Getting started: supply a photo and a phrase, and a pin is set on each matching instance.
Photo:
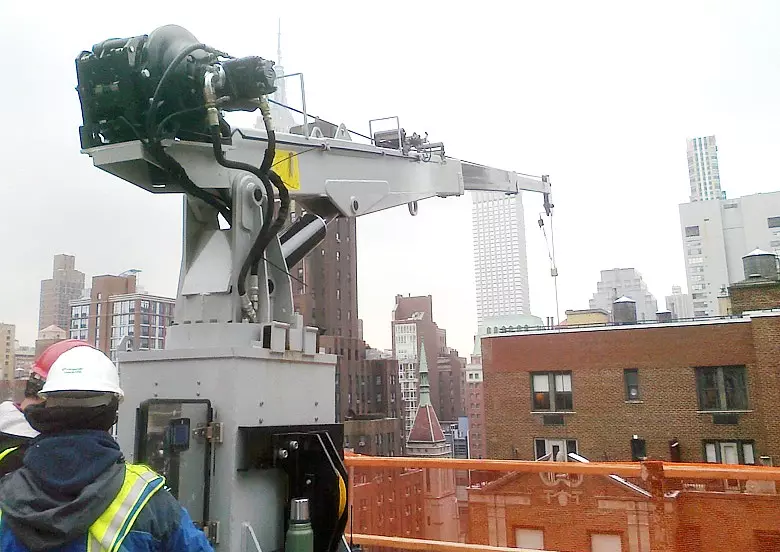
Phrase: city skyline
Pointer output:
(601, 182)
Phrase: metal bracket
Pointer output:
(211, 529)
(212, 432)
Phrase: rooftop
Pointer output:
(642, 324)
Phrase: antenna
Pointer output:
(279, 42)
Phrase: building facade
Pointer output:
(474, 402)
(703, 170)
(556, 511)
(7, 351)
(373, 435)
(710, 386)
(619, 282)
(500, 261)
(411, 326)
(679, 304)
(115, 310)
(65, 285)
(49, 336)
(23, 360)
(716, 235)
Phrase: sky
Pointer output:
(599, 95)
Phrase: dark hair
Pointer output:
(34, 386)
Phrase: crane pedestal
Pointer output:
(238, 431)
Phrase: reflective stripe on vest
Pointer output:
(111, 528)
(6, 452)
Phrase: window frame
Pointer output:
(627, 385)
(552, 392)
(740, 450)
(721, 388)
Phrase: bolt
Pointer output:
(294, 445)
(355, 205)
(145, 73)
(283, 454)
(262, 403)
(316, 403)
(260, 421)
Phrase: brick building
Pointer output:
(373, 435)
(115, 310)
(618, 392)
(415, 334)
(474, 405)
(567, 512)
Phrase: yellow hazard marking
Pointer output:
(342, 496)
(286, 166)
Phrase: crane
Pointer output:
(238, 411)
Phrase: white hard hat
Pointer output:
(83, 369)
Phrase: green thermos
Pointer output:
(300, 536)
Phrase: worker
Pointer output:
(75, 491)
(15, 431)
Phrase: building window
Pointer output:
(552, 391)
(558, 449)
(691, 231)
(773, 222)
(722, 388)
(631, 379)
(729, 452)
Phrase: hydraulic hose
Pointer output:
(170, 165)
(269, 211)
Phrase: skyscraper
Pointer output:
(65, 285)
(618, 282)
(703, 170)
(500, 263)
(716, 235)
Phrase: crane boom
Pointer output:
(355, 179)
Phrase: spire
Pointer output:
(279, 42)
(425, 386)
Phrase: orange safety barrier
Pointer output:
(626, 469)
(433, 546)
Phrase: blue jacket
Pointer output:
(67, 481)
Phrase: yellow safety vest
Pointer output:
(108, 532)
(6, 452)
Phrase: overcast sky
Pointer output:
(599, 95)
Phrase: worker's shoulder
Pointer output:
(160, 516)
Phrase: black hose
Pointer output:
(172, 167)
(173, 115)
(216, 141)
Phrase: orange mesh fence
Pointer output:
(404, 503)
